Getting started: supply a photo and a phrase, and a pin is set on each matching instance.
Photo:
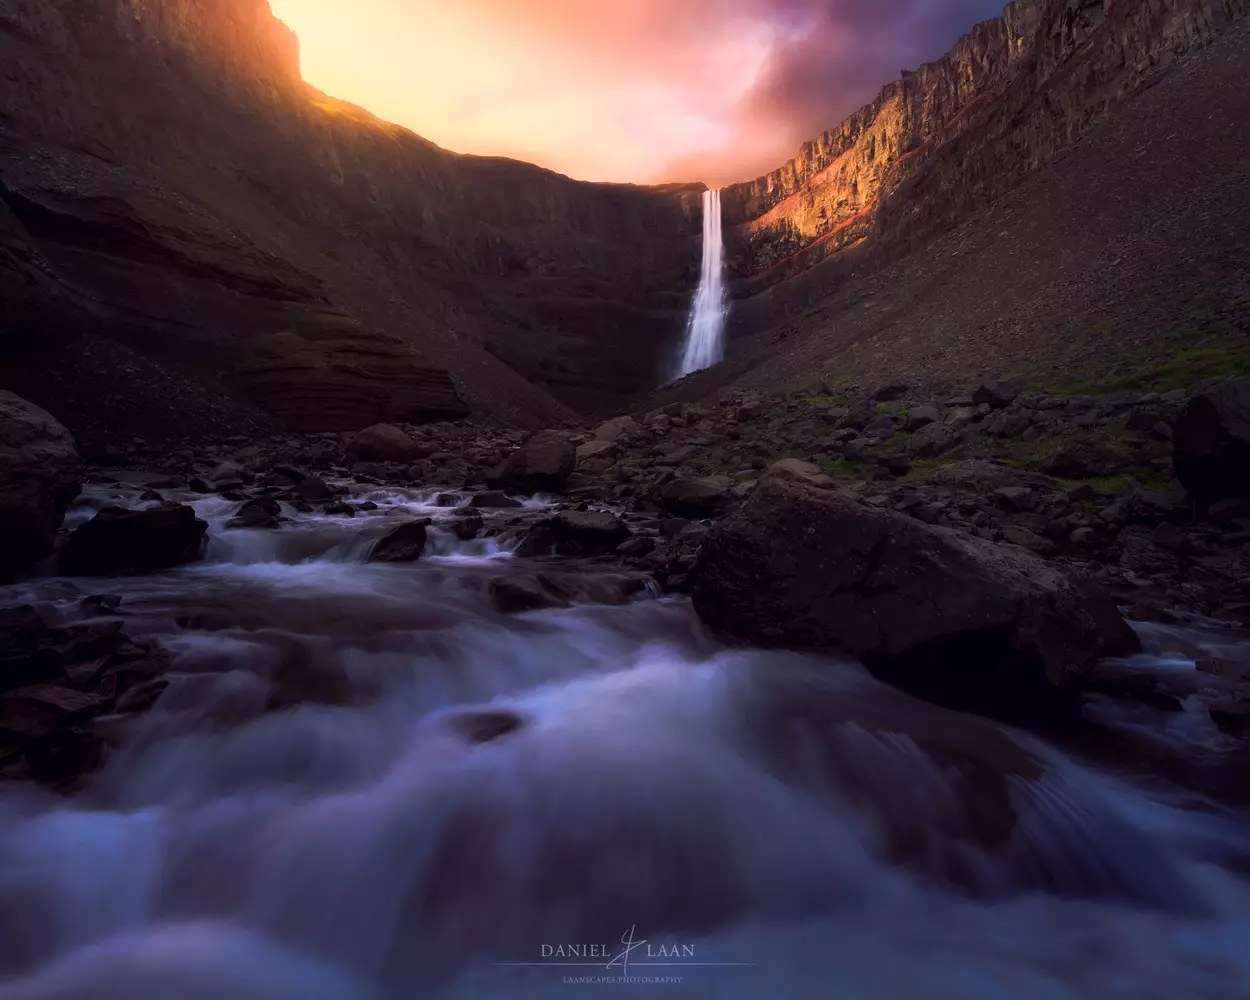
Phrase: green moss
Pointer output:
(922, 469)
(839, 468)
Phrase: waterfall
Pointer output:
(706, 329)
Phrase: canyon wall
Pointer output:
(945, 139)
(289, 253)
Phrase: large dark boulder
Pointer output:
(543, 464)
(696, 498)
(949, 617)
(122, 541)
(383, 443)
(403, 544)
(575, 533)
(1211, 444)
(40, 475)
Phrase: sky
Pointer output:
(622, 90)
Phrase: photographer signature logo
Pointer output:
(617, 960)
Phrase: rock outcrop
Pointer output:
(122, 541)
(947, 138)
(949, 617)
(40, 475)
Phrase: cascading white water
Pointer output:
(706, 329)
(474, 789)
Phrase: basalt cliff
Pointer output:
(947, 138)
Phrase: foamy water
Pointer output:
(468, 790)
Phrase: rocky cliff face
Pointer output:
(246, 234)
(947, 138)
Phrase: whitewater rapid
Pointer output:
(705, 330)
(465, 790)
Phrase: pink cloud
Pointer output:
(636, 90)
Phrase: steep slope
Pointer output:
(281, 255)
(948, 138)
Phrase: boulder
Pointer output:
(996, 393)
(595, 449)
(949, 617)
(614, 429)
(40, 475)
(259, 512)
(921, 416)
(574, 533)
(122, 541)
(931, 440)
(383, 443)
(696, 498)
(404, 543)
(493, 500)
(543, 464)
(312, 488)
(1211, 444)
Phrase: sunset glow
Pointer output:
(637, 90)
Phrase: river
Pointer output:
(465, 804)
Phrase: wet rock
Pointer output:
(121, 541)
(260, 512)
(1231, 715)
(996, 394)
(1211, 444)
(520, 592)
(485, 726)
(493, 500)
(543, 464)
(574, 533)
(696, 498)
(404, 543)
(40, 475)
(313, 488)
(466, 524)
(64, 755)
(383, 443)
(951, 618)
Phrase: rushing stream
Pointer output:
(466, 804)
